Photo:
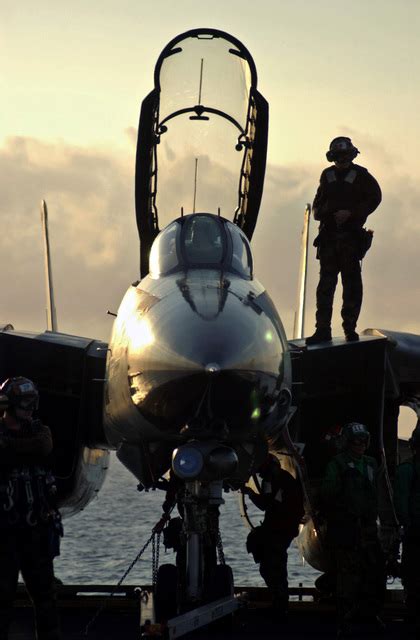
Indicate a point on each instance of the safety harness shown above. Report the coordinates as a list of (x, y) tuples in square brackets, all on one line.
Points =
[(26, 492), (350, 177)]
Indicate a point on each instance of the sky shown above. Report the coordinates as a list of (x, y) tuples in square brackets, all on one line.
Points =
[(72, 77)]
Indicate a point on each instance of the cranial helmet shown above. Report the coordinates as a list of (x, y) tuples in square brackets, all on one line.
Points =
[(415, 437), (205, 231), (21, 393), (341, 147), (355, 431)]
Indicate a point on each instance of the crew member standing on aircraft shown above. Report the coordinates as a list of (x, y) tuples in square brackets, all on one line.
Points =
[(346, 196), (350, 505), (407, 503), (281, 499), (29, 521)]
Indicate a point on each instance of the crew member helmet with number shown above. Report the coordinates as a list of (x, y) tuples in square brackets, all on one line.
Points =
[(355, 432), (21, 393), (341, 148)]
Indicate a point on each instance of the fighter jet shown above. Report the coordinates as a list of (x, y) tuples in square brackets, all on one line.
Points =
[(198, 381), (198, 369)]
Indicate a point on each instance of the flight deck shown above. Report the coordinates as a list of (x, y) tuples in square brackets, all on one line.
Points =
[(122, 615)]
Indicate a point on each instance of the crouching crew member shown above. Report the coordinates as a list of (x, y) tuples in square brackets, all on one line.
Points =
[(29, 522), (407, 504), (349, 501), (282, 501), (346, 196)]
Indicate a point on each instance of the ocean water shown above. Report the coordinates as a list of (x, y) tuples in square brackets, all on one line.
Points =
[(101, 541)]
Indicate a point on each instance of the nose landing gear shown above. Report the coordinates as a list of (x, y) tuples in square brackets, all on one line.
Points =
[(198, 587)]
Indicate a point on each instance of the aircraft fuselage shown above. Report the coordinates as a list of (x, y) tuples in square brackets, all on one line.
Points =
[(197, 346)]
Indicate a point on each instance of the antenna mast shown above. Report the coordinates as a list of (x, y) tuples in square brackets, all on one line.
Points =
[(49, 289), (299, 325)]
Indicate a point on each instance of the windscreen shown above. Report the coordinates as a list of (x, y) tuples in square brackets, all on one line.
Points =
[(163, 255)]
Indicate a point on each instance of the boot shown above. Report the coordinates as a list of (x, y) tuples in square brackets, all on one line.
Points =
[(352, 336), (322, 334)]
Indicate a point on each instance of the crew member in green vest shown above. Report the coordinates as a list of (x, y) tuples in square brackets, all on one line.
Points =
[(407, 504), (349, 499)]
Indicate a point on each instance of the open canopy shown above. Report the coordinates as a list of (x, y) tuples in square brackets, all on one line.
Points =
[(202, 136)]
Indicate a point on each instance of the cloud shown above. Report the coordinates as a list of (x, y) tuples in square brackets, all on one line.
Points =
[(92, 231), (90, 196)]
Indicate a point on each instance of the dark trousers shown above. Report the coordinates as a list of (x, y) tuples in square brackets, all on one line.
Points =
[(27, 549), (339, 253), (273, 567), (361, 579), (410, 569)]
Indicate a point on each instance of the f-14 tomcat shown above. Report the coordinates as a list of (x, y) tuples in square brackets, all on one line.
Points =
[(198, 377)]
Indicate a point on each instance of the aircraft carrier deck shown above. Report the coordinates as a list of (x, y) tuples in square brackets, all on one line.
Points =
[(123, 613)]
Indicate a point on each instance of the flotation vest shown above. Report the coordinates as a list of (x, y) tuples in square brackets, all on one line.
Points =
[(358, 495), (27, 493)]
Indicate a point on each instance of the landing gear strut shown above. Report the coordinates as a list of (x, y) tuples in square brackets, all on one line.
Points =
[(198, 587)]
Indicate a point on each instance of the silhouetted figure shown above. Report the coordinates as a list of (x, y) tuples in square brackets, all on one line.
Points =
[(29, 523), (350, 504), (346, 196), (282, 501), (407, 504), (205, 246)]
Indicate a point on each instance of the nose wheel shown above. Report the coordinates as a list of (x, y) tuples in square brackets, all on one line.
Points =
[(220, 583), (166, 600)]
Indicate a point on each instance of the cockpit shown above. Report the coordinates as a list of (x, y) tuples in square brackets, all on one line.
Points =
[(201, 241)]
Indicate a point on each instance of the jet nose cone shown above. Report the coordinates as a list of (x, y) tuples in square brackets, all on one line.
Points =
[(228, 368)]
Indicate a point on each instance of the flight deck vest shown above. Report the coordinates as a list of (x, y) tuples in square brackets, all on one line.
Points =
[(358, 497), (27, 492)]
